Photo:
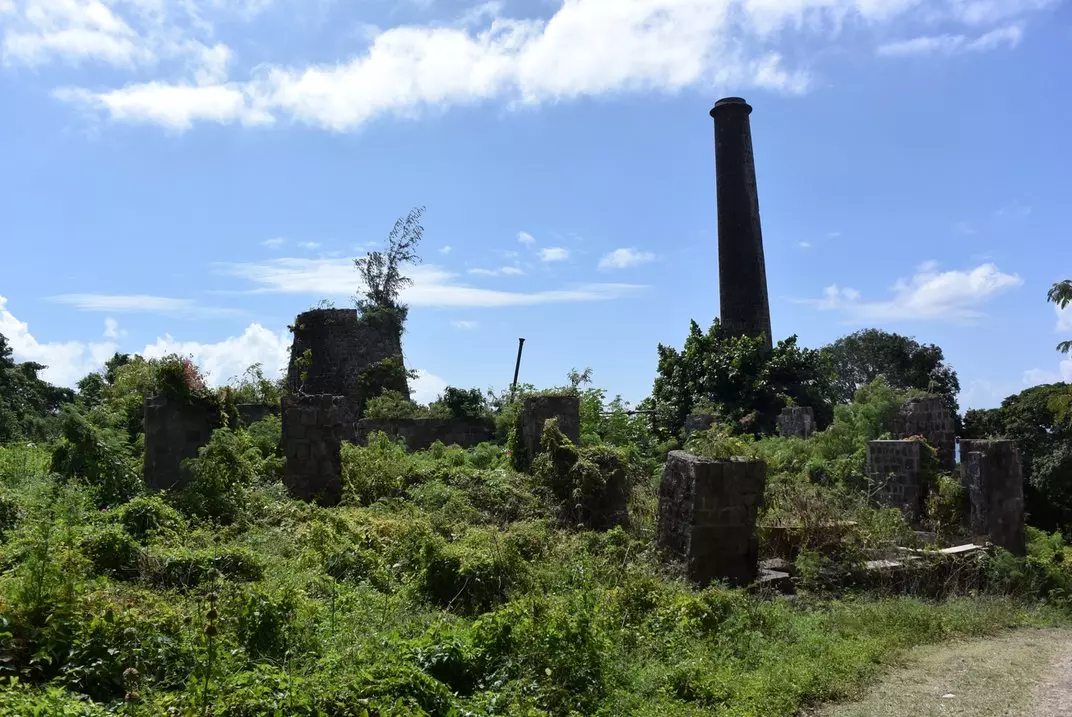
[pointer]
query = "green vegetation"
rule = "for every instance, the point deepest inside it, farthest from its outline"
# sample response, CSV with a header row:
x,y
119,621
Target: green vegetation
x,y
450,583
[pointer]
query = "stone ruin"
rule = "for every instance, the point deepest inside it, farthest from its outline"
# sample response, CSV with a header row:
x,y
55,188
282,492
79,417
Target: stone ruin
x,y
707,516
175,430
341,347
895,468
796,422
535,412
932,418
992,473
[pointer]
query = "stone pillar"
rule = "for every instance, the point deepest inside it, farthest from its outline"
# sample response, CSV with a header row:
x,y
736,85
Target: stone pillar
x,y
174,431
930,417
707,516
314,428
699,422
535,410
992,473
895,468
742,274
341,346
796,421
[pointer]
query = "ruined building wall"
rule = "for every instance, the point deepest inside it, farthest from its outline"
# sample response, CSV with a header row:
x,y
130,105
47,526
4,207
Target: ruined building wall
x,y
420,433
930,417
174,431
992,472
707,516
742,273
535,410
796,422
895,468
341,346
314,428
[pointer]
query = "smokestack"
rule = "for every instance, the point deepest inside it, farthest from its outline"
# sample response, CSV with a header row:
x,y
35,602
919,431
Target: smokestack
x,y
742,274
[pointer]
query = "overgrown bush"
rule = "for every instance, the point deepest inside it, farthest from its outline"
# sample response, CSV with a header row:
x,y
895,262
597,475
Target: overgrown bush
x,y
148,516
374,471
221,475
97,456
112,552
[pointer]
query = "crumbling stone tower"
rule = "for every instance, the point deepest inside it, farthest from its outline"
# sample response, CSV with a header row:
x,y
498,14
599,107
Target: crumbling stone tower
x,y
341,347
742,273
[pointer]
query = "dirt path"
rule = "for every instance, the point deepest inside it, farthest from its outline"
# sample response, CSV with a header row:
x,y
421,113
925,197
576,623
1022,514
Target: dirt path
x,y
1022,673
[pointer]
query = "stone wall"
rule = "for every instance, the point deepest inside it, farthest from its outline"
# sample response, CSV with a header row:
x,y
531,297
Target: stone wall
x,y
796,421
174,431
341,347
894,468
992,473
249,413
931,418
707,516
314,428
699,422
419,433
535,410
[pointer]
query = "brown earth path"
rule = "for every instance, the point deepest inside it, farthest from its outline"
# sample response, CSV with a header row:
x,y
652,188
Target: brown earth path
x,y
1020,673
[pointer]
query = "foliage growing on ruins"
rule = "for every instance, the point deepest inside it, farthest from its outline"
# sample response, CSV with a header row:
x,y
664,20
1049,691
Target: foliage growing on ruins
x,y
861,357
381,272
747,383
389,374
721,443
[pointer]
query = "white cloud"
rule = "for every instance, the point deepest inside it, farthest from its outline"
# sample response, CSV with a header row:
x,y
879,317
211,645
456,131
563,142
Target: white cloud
x,y
274,242
1037,376
66,361
446,250
554,253
464,325
954,296
525,238
229,358
1015,209
112,330
1009,37
432,285
1064,318
501,271
139,303
176,107
804,245
309,245
625,259
427,387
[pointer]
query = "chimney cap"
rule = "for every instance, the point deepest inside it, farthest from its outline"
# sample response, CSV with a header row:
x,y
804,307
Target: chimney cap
x,y
727,102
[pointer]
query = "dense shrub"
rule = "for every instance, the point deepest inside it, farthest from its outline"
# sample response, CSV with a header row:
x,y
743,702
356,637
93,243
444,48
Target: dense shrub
x,y
98,456
112,552
473,574
147,516
222,474
375,470
184,569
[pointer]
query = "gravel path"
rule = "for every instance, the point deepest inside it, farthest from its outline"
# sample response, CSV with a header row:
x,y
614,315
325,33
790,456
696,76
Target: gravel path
x,y
1020,673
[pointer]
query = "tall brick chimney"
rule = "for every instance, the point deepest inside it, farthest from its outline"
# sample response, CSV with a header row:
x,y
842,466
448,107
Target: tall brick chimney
x,y
742,274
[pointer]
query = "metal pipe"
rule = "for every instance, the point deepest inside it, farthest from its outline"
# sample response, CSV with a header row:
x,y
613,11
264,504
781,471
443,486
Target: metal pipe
x,y
517,367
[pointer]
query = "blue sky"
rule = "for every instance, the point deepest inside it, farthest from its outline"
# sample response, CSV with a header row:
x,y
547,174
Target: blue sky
x,y
191,175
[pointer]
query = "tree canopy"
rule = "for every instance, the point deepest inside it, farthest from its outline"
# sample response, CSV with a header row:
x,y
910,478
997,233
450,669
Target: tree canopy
x,y
27,402
738,378
861,357
381,271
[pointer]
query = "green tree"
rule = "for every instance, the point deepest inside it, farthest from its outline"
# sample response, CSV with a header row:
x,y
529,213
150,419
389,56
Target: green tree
x,y
744,381
1061,295
381,271
28,404
861,357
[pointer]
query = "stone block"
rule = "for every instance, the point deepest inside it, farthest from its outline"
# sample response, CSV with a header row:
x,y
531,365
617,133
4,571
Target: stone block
x,y
930,417
314,428
699,422
894,467
707,516
536,410
420,433
992,472
796,422
174,431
